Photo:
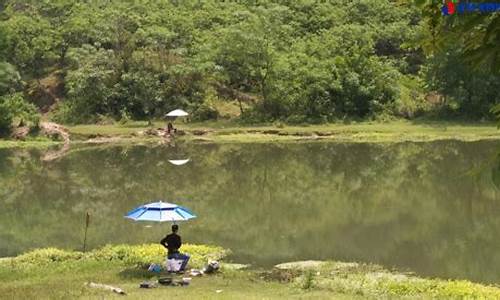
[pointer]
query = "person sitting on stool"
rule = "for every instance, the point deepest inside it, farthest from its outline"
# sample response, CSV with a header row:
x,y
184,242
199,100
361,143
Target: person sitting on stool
x,y
172,243
170,128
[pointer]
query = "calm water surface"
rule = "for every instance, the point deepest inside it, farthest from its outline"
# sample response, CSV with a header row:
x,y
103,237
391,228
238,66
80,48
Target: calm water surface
x,y
432,208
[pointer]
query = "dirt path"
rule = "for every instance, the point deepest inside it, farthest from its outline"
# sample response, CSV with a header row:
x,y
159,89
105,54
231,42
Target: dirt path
x,y
51,129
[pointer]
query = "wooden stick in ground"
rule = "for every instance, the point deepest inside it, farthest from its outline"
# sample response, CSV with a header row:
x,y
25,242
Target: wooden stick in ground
x,y
87,222
106,287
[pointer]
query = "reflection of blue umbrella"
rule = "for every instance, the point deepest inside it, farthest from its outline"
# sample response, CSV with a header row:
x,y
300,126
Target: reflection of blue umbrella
x,y
160,212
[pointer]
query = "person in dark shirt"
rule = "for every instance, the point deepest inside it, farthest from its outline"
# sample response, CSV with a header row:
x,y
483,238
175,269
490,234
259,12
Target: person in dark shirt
x,y
170,128
172,243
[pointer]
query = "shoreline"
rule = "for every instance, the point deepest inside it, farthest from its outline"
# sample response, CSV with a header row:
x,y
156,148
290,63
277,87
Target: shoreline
x,y
50,272
224,132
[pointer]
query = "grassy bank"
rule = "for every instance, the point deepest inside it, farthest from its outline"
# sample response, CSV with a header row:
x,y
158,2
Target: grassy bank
x,y
55,274
30,143
225,131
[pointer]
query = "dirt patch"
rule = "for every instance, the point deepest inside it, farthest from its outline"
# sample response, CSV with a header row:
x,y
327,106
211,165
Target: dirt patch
x,y
20,133
53,130
199,132
105,139
283,276
47,92
319,133
161,132
272,131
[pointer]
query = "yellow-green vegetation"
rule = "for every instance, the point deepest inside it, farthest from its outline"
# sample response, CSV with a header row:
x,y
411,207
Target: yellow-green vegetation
x,y
373,281
56,274
127,254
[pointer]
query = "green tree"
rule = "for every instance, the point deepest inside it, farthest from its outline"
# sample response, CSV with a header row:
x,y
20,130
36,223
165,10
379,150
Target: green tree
x,y
10,80
245,57
91,86
32,43
478,34
471,92
5,117
334,75
14,108
465,52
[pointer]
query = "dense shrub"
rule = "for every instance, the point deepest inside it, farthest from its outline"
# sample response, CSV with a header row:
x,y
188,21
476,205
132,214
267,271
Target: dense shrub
x,y
14,110
47,256
22,111
10,80
411,101
5,118
205,112
64,113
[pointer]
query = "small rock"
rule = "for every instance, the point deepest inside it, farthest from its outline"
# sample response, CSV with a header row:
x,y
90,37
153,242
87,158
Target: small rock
x,y
228,266
272,131
319,133
301,265
200,132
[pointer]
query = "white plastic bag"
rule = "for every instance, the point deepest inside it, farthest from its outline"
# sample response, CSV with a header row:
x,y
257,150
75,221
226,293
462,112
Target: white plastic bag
x,y
174,265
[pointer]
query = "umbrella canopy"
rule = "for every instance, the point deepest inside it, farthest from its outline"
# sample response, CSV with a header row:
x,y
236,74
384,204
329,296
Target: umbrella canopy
x,y
177,113
178,162
160,212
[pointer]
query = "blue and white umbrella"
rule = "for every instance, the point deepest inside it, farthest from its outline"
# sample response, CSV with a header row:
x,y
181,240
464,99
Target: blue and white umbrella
x,y
160,212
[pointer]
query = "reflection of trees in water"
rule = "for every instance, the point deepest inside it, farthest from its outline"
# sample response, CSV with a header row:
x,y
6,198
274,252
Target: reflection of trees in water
x,y
495,172
411,205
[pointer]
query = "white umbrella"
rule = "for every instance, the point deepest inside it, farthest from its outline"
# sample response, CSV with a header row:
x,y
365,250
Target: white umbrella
x,y
177,113
178,162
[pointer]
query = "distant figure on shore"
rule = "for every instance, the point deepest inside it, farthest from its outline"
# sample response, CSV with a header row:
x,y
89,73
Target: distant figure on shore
x,y
173,243
170,128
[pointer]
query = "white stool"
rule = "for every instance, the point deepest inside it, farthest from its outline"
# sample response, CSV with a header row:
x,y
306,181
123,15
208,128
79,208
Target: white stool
x,y
174,265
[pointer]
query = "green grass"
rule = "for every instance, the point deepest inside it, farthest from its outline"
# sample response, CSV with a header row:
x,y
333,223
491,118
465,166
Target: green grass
x,y
229,131
70,284
431,129
396,131
38,142
59,274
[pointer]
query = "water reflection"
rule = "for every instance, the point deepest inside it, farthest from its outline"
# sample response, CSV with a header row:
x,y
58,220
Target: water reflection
x,y
426,207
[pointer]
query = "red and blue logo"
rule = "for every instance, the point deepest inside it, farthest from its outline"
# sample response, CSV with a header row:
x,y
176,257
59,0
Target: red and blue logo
x,y
449,7
452,7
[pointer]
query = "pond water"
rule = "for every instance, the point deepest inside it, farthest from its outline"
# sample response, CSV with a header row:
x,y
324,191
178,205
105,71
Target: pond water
x,y
431,208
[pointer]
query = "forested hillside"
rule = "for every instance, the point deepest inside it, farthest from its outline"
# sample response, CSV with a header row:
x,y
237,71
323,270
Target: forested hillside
x,y
294,61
